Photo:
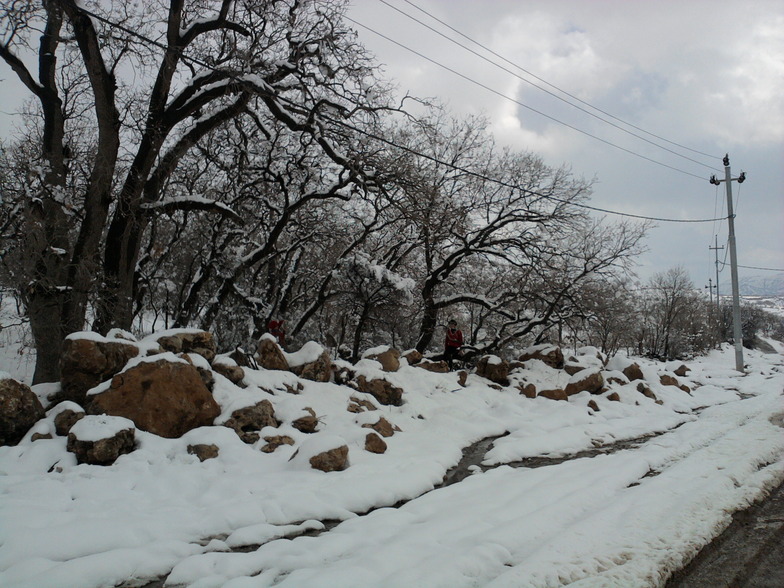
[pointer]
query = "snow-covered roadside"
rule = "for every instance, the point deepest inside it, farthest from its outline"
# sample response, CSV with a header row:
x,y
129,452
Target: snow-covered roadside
x,y
625,519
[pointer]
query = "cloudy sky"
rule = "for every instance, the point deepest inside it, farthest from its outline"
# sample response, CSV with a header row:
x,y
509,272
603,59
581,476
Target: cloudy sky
x,y
708,75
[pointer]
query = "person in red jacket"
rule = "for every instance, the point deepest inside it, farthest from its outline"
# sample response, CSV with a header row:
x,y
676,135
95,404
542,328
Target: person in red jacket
x,y
277,330
452,342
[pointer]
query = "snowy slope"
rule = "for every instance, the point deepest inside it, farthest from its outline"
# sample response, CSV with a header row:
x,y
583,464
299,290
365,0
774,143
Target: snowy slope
x,y
624,518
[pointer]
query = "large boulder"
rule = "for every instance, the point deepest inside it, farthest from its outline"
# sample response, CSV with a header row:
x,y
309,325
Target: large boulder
x,y
20,409
308,423
587,380
494,369
87,360
382,390
270,355
374,443
312,362
388,357
101,439
332,460
412,356
166,397
327,453
188,341
549,354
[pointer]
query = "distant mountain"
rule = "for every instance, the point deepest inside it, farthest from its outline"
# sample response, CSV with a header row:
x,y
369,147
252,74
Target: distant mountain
x,y
760,285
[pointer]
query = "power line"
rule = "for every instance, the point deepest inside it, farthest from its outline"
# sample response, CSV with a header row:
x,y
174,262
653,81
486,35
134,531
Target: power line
x,y
556,87
752,267
208,66
515,101
554,95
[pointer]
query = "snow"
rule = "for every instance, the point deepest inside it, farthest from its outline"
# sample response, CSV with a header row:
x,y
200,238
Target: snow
x,y
97,427
625,517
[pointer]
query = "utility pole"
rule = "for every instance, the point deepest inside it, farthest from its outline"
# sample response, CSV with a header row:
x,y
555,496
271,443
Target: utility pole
x,y
736,327
710,288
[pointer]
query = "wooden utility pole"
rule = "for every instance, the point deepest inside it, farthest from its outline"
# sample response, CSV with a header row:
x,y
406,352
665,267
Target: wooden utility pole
x,y
736,326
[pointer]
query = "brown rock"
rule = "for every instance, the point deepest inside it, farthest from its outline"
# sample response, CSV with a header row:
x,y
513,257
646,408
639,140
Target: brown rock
x,y
549,354
555,394
270,355
294,389
334,460
65,420
306,424
358,405
381,390
494,369
248,420
588,380
614,397
438,367
572,368
273,442
100,451
462,377
389,359
204,451
200,342
633,372
685,388
240,357
162,397
316,371
375,444
382,426
593,406
617,380
528,390
412,356
668,380
20,409
85,363
234,373
37,436
646,391
682,371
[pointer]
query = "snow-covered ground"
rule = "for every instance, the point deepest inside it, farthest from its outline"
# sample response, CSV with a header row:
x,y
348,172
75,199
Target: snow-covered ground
x,y
626,518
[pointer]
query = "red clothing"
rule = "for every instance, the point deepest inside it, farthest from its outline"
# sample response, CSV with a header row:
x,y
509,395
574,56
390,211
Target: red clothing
x,y
276,329
454,338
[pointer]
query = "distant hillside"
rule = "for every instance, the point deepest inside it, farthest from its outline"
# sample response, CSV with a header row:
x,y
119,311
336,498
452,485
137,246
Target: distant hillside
x,y
760,285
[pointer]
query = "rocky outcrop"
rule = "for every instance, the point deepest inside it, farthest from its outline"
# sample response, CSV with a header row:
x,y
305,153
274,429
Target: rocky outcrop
x,y
381,390
189,341
20,409
101,439
549,354
87,360
494,369
588,380
247,421
167,398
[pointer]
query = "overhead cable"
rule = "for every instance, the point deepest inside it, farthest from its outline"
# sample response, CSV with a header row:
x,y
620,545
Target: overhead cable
x,y
519,103
545,90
